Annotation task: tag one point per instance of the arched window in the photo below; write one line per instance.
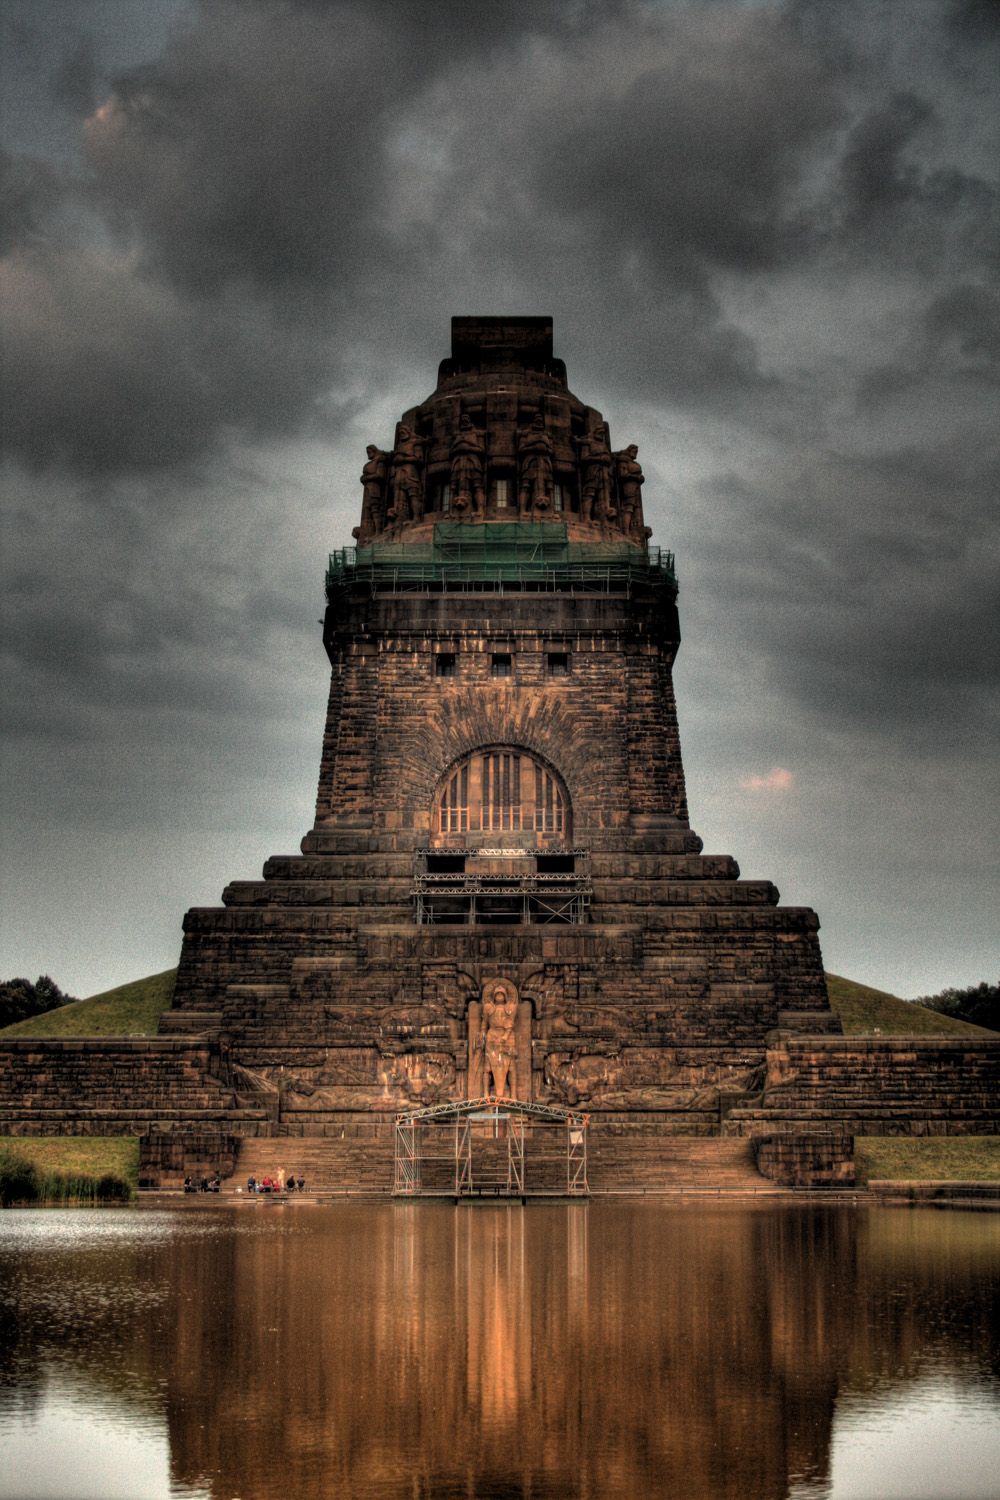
(503, 790)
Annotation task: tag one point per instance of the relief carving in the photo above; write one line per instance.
(449, 989)
(423, 1077)
(499, 1043)
(579, 1077)
(548, 989)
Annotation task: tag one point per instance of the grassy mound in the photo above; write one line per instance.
(863, 1011)
(129, 1010)
(947, 1158)
(68, 1169)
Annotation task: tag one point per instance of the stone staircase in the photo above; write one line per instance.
(361, 1166)
(672, 1163)
(616, 1164)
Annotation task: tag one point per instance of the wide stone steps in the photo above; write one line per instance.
(615, 1163)
(615, 894)
(344, 893)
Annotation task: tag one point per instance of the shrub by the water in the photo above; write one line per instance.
(111, 1188)
(21, 1182)
(18, 1179)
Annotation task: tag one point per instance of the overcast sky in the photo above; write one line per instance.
(234, 235)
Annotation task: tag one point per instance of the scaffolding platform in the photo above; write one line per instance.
(491, 1149)
(499, 557)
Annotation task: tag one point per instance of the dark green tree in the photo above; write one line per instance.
(980, 1004)
(19, 998)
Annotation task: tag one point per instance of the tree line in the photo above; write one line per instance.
(19, 998)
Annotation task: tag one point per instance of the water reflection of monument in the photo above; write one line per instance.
(403, 1350)
(414, 1350)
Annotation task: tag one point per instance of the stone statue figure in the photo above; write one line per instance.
(596, 461)
(493, 1050)
(373, 477)
(407, 478)
(630, 481)
(534, 453)
(468, 453)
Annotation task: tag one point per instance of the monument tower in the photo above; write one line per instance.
(501, 892)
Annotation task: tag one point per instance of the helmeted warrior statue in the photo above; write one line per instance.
(468, 449)
(407, 478)
(373, 478)
(534, 452)
(630, 481)
(595, 462)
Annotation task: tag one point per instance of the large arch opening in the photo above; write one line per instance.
(501, 790)
(500, 850)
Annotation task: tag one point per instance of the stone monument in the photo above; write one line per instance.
(501, 893)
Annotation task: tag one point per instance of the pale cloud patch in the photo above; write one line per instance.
(775, 780)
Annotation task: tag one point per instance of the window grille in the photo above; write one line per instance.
(502, 791)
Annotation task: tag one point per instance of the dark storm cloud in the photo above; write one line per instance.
(114, 371)
(247, 179)
(284, 177)
(30, 193)
(768, 235)
(256, 148)
(699, 156)
(964, 324)
(76, 83)
(874, 171)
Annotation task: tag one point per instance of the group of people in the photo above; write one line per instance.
(205, 1185)
(279, 1184)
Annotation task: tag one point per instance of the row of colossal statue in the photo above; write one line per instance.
(395, 491)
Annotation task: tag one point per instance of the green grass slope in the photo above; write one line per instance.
(938, 1158)
(78, 1156)
(129, 1010)
(863, 1011)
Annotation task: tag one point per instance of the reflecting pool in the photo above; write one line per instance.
(601, 1350)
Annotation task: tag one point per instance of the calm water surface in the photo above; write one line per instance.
(411, 1350)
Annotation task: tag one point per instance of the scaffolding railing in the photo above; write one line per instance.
(497, 557)
(530, 902)
(436, 1150)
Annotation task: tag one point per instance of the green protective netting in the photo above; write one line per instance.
(500, 552)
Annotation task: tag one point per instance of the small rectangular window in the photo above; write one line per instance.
(558, 497)
(501, 493)
(558, 663)
(445, 664)
(501, 664)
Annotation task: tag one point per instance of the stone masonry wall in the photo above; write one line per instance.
(609, 726)
(113, 1086)
(877, 1086)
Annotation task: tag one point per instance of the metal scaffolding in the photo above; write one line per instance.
(454, 1150)
(498, 556)
(494, 899)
